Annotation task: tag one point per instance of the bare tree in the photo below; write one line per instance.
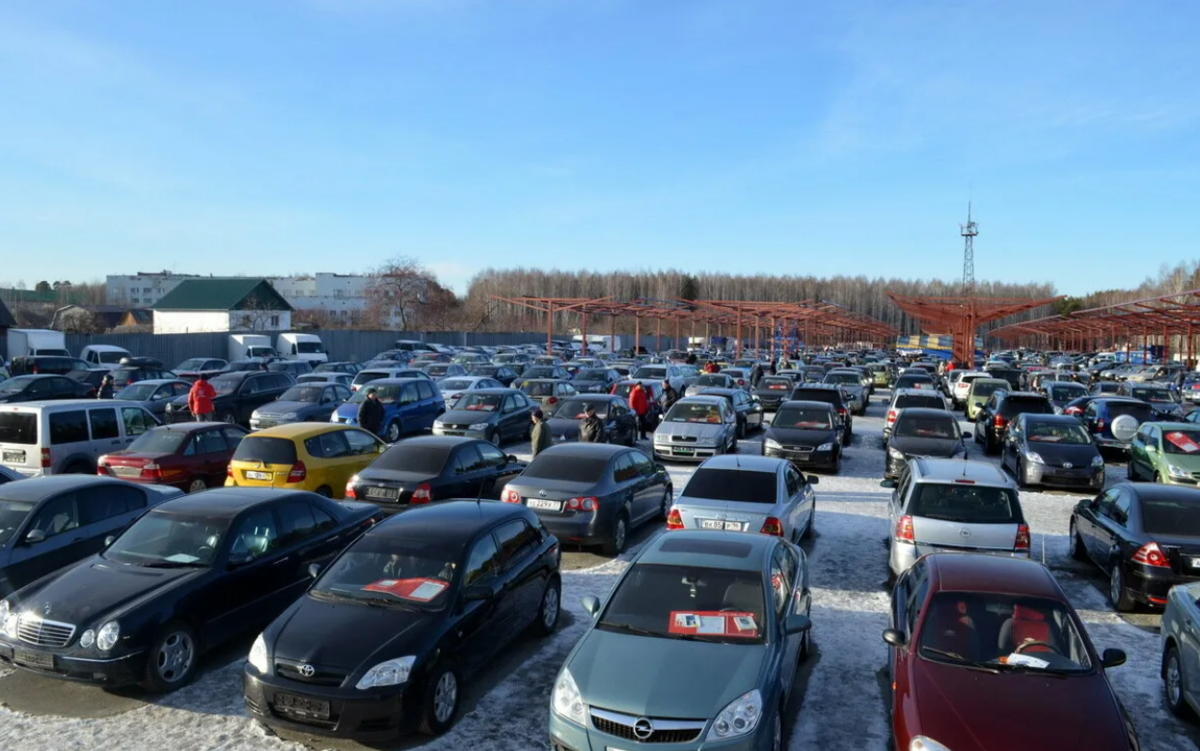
(396, 293)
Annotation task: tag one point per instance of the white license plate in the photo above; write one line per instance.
(381, 493)
(14, 457)
(544, 504)
(684, 451)
(718, 524)
(255, 475)
(127, 471)
(1196, 563)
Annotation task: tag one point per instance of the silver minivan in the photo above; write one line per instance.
(755, 494)
(67, 436)
(953, 505)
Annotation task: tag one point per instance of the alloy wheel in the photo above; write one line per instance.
(197, 485)
(550, 608)
(445, 697)
(175, 657)
(1173, 681)
(619, 534)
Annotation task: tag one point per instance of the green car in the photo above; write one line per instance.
(881, 375)
(703, 625)
(981, 390)
(1166, 452)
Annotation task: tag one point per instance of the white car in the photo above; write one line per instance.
(454, 387)
(960, 386)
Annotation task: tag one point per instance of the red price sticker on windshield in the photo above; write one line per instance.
(713, 623)
(420, 590)
(1184, 443)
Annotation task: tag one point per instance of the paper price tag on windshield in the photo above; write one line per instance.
(713, 623)
(1028, 661)
(1184, 443)
(419, 590)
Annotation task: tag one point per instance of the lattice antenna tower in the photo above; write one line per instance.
(968, 232)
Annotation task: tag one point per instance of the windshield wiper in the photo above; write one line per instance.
(639, 631)
(171, 564)
(962, 660)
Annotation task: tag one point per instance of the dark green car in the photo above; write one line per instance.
(1166, 452)
(703, 625)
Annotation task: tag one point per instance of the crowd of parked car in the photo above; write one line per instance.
(135, 538)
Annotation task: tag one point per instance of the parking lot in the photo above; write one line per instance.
(842, 698)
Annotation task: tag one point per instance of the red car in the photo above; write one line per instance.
(987, 654)
(191, 456)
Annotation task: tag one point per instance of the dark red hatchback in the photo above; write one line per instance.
(191, 456)
(982, 646)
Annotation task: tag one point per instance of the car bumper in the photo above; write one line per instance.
(770, 404)
(1110, 443)
(904, 554)
(1085, 477)
(362, 715)
(1150, 584)
(812, 458)
(580, 529)
(114, 671)
(567, 736)
(441, 430)
(680, 452)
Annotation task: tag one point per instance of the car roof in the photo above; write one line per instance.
(718, 391)
(971, 572)
(1170, 425)
(1156, 491)
(299, 430)
(584, 449)
(227, 503)
(745, 463)
(447, 441)
(1050, 419)
(698, 399)
(961, 470)
(64, 403)
(37, 489)
(727, 550)
(807, 404)
(914, 392)
(392, 382)
(158, 381)
(455, 519)
(819, 386)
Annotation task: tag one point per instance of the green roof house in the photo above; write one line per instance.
(222, 304)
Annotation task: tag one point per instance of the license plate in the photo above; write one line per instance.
(388, 493)
(14, 457)
(256, 475)
(544, 504)
(315, 708)
(683, 451)
(127, 471)
(1196, 563)
(719, 524)
(33, 659)
(452, 432)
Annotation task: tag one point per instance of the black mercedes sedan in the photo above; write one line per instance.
(620, 423)
(807, 433)
(189, 575)
(1145, 537)
(430, 597)
(428, 468)
(922, 431)
(1052, 450)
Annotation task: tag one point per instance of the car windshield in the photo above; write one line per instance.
(1057, 432)
(737, 485)
(15, 385)
(1066, 393)
(12, 514)
(558, 466)
(302, 394)
(573, 409)
(111, 358)
(309, 348)
(847, 378)
(437, 369)
(926, 427)
(192, 363)
(455, 384)
(159, 441)
(1002, 632)
(720, 380)
(775, 384)
(163, 539)
(415, 458)
(812, 418)
(981, 389)
(694, 412)
(592, 375)
(224, 385)
(393, 572)
(688, 602)
(538, 388)
(386, 393)
(479, 402)
(138, 392)
(1157, 396)
(965, 503)
(1185, 442)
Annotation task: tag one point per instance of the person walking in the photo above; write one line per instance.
(669, 396)
(639, 402)
(711, 367)
(200, 400)
(540, 435)
(591, 429)
(370, 413)
(106, 388)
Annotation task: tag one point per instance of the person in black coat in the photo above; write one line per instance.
(370, 413)
(106, 388)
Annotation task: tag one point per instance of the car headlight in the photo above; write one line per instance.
(1178, 472)
(1034, 457)
(88, 639)
(106, 637)
(895, 453)
(566, 701)
(479, 426)
(438, 423)
(258, 656)
(921, 743)
(1098, 461)
(771, 443)
(389, 673)
(825, 446)
(740, 717)
(706, 441)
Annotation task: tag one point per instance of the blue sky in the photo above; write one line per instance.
(817, 137)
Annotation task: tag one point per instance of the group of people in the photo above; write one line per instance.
(591, 427)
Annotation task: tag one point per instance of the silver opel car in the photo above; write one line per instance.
(755, 494)
(696, 428)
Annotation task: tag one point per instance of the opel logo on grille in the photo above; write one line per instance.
(964, 532)
(643, 728)
(1067, 465)
(308, 671)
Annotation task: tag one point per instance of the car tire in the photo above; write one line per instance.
(230, 418)
(741, 430)
(1173, 684)
(615, 545)
(391, 433)
(1131, 472)
(439, 703)
(548, 611)
(79, 468)
(197, 486)
(494, 438)
(324, 491)
(1157, 478)
(810, 528)
(664, 506)
(1020, 475)
(172, 658)
(1078, 551)
(777, 733)
(1118, 595)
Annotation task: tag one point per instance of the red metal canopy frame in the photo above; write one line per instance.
(962, 316)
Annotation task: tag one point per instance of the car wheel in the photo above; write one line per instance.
(805, 646)
(1173, 684)
(172, 659)
(811, 527)
(1117, 593)
(620, 535)
(777, 732)
(229, 417)
(325, 492)
(197, 485)
(494, 438)
(392, 433)
(79, 468)
(1157, 478)
(547, 618)
(664, 507)
(1020, 474)
(440, 703)
(1078, 551)
(741, 430)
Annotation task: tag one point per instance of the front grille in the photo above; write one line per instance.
(664, 731)
(683, 438)
(321, 676)
(42, 633)
(804, 449)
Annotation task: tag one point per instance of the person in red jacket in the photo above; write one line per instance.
(200, 400)
(711, 367)
(639, 402)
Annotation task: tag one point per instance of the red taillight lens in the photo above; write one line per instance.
(1151, 555)
(1022, 541)
(102, 466)
(552, 400)
(772, 526)
(585, 503)
(423, 494)
(298, 473)
(891, 416)
(510, 496)
(46, 459)
(904, 529)
(741, 382)
(1100, 424)
(151, 471)
(842, 411)
(351, 494)
(999, 421)
(674, 519)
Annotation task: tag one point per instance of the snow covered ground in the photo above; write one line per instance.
(842, 703)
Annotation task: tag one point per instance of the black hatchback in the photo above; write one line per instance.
(382, 641)
(832, 394)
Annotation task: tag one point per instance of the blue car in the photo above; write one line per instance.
(410, 405)
(1113, 420)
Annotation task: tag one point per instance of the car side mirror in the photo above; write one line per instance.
(478, 592)
(812, 479)
(895, 637)
(796, 623)
(314, 570)
(591, 604)
(887, 484)
(512, 459)
(1112, 658)
(109, 540)
(34, 536)
(237, 560)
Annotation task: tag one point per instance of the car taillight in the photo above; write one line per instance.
(423, 494)
(904, 529)
(891, 416)
(46, 459)
(298, 473)
(842, 411)
(552, 400)
(772, 526)
(999, 421)
(151, 471)
(1022, 541)
(585, 503)
(510, 496)
(229, 471)
(741, 382)
(1100, 424)
(351, 494)
(674, 519)
(102, 466)
(1151, 555)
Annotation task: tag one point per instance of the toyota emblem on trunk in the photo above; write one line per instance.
(308, 671)
(1067, 465)
(643, 728)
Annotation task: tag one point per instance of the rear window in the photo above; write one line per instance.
(426, 460)
(265, 450)
(159, 441)
(1171, 517)
(453, 383)
(775, 384)
(738, 485)
(931, 402)
(985, 389)
(965, 504)
(1021, 404)
(551, 466)
(19, 428)
(823, 395)
(1139, 411)
(909, 426)
(538, 388)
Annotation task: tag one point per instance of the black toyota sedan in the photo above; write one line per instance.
(593, 493)
(1052, 450)
(429, 468)
(1146, 537)
(430, 597)
(807, 433)
(189, 575)
(620, 423)
(921, 431)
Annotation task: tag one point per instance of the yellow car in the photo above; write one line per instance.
(320, 457)
(981, 389)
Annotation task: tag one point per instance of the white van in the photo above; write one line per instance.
(68, 436)
(105, 356)
(301, 347)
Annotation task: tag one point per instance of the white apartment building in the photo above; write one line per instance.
(142, 289)
(338, 294)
